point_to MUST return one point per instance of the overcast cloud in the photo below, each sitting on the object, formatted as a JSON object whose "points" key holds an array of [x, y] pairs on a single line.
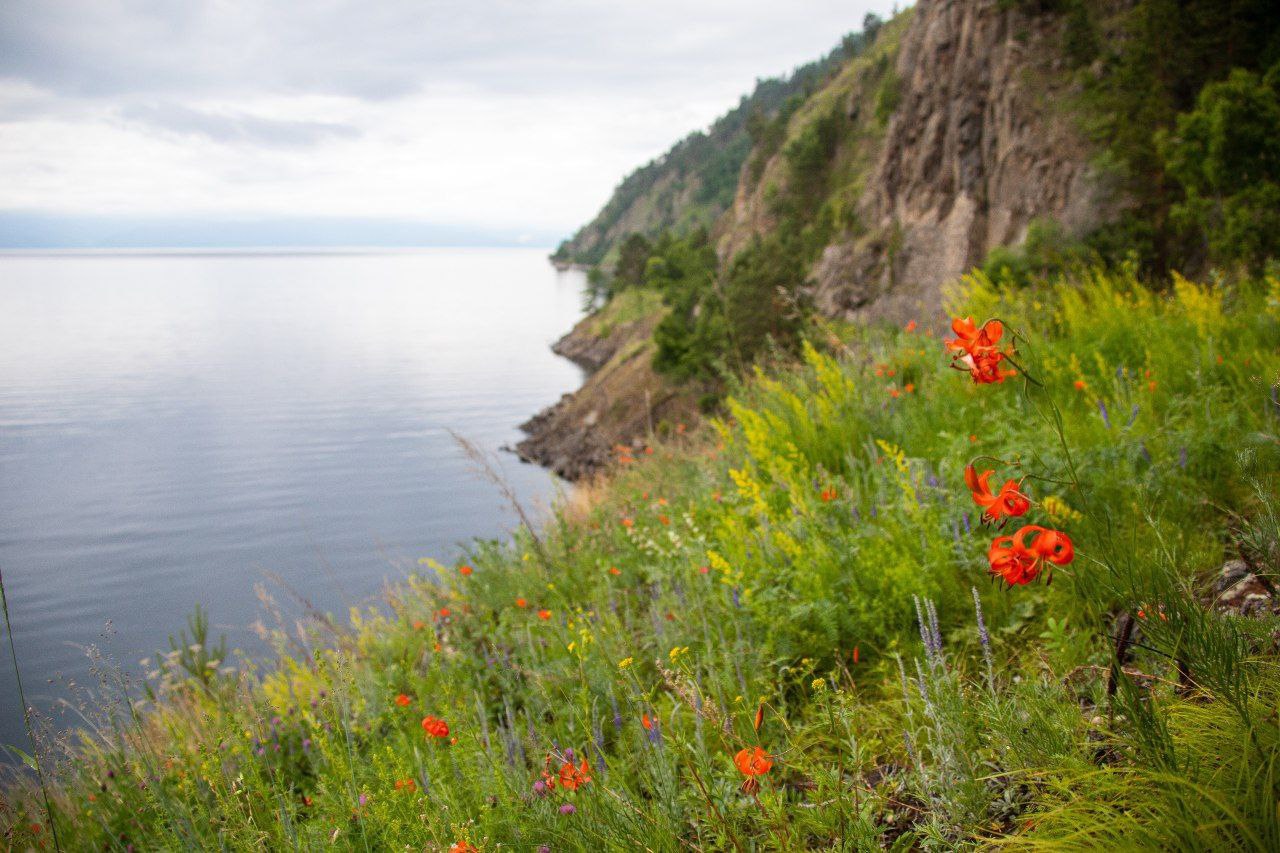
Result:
{"points": [[494, 114]]}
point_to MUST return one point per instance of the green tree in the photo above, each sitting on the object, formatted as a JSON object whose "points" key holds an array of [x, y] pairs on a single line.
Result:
{"points": [[633, 255], [1225, 156]]}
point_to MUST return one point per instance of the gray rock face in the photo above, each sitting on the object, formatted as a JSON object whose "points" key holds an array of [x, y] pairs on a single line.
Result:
{"points": [[974, 152]]}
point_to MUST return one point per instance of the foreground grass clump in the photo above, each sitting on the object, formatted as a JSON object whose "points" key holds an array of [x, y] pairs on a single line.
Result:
{"points": [[783, 634]]}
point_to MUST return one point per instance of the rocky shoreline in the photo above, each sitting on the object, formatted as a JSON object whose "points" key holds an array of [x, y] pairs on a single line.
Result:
{"points": [[622, 402]]}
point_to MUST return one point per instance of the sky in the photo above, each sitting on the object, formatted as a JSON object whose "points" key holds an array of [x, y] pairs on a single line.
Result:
{"points": [[345, 122]]}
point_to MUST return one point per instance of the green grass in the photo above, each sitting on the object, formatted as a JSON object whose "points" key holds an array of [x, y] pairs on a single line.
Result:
{"points": [[740, 586]]}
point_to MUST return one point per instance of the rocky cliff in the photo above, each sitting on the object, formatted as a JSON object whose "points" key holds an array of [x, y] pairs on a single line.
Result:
{"points": [[976, 146], [951, 138]]}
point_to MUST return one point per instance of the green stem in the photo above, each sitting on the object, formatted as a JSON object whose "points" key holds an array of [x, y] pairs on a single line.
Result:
{"points": [[26, 716]]}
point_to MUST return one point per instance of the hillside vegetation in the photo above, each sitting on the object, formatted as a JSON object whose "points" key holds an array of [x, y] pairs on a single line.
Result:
{"points": [[810, 577], [693, 183]]}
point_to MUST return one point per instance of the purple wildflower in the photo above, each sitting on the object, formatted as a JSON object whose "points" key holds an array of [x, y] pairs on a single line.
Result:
{"points": [[1133, 416], [568, 808], [983, 636], [933, 625], [922, 685], [540, 788], [1102, 407], [1182, 458]]}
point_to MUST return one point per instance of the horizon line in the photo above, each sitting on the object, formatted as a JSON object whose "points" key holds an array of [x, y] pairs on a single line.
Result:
{"points": [[282, 249]]}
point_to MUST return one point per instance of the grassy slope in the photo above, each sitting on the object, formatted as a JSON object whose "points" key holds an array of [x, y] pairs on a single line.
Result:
{"points": [[739, 586]]}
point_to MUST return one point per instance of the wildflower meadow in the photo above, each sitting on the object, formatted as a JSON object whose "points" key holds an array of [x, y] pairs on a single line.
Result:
{"points": [[920, 590]]}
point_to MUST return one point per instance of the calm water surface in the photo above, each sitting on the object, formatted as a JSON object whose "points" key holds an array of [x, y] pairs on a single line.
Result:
{"points": [[174, 428]]}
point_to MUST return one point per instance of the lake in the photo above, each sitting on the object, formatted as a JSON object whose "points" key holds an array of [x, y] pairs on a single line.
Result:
{"points": [[176, 428]]}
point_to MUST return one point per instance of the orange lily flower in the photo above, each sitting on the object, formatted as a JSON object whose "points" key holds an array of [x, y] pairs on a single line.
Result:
{"points": [[572, 778], [1016, 562], [464, 847], [973, 340], [752, 762], [1009, 501], [435, 727], [977, 350]]}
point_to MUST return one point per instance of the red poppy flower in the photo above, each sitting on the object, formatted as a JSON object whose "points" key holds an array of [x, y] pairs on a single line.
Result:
{"points": [[464, 847], [1007, 503], [646, 722], [614, 570], [435, 727], [444, 613], [911, 325], [402, 700], [521, 603], [405, 784], [828, 495], [1018, 562], [758, 720], [466, 570], [544, 614], [626, 522]]}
